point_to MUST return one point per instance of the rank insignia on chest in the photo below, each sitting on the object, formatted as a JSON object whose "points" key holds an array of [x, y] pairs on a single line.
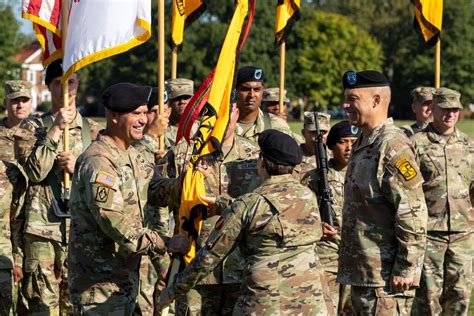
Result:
{"points": [[102, 194], [405, 168], [104, 178]]}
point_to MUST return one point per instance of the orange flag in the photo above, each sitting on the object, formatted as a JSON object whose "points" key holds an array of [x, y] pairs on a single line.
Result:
{"points": [[428, 20]]}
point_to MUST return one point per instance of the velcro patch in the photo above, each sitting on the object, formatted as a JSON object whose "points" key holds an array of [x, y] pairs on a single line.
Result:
{"points": [[22, 133], [406, 169], [104, 178], [102, 194]]}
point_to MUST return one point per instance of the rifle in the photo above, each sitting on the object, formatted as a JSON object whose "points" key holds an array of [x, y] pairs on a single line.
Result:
{"points": [[325, 200]]}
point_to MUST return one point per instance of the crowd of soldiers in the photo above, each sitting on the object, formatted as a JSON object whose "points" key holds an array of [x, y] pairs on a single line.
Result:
{"points": [[400, 242]]}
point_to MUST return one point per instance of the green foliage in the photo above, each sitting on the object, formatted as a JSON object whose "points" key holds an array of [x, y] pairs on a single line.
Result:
{"points": [[44, 106]]}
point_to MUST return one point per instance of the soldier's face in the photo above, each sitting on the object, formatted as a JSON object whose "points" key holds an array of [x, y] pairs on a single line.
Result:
{"points": [[422, 111], [445, 119], [178, 104], [18, 108], [342, 150], [358, 104], [249, 96], [56, 89], [274, 108], [132, 125]]}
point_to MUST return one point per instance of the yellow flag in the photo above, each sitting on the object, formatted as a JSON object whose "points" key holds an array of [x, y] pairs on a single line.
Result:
{"points": [[208, 138], [287, 13], [428, 19], [184, 13]]}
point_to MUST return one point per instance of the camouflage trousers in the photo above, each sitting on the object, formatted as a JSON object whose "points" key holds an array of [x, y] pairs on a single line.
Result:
{"points": [[376, 301], [446, 280], [209, 300], [6, 292], [148, 279], [113, 307], [44, 284], [336, 296]]}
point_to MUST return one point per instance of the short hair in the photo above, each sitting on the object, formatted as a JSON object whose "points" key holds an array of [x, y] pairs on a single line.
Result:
{"points": [[275, 169]]}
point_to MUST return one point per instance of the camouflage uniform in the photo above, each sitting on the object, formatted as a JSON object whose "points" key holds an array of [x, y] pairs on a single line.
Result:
{"points": [[412, 129], [45, 234], [107, 236], [276, 229], [327, 249], [447, 166], [230, 178], [264, 121], [12, 189], [7, 141], [384, 221], [170, 136], [420, 95]]}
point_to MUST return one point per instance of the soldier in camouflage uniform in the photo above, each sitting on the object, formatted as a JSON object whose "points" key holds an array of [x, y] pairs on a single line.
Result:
{"points": [[309, 133], [422, 107], [230, 177], [180, 91], [446, 157], [384, 216], [17, 102], [39, 149], [276, 229], [12, 189], [339, 141], [249, 93], [109, 193]]}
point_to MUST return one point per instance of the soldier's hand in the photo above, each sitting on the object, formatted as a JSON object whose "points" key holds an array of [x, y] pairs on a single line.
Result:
{"points": [[65, 116], [203, 167], [210, 200], [17, 274], [165, 299], [66, 161], [179, 244], [400, 284], [159, 125], [328, 230]]}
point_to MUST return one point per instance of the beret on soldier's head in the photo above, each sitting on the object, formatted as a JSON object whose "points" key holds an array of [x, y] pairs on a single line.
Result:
{"points": [[339, 130], [279, 148], [125, 97], [154, 97], [250, 74], [54, 70], [364, 79], [447, 98]]}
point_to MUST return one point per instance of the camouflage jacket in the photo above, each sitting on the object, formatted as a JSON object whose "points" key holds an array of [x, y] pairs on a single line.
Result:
{"points": [[262, 124], [384, 213], [276, 229], [230, 178], [36, 153], [447, 167], [307, 163], [412, 129], [327, 248], [7, 141], [12, 190], [107, 235], [170, 136]]}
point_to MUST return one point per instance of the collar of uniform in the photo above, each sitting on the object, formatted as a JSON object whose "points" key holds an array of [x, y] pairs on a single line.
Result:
{"points": [[436, 138], [369, 140], [109, 142], [76, 123], [259, 123], [279, 179]]}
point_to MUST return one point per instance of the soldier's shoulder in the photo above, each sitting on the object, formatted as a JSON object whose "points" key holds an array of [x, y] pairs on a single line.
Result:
{"points": [[249, 147], [277, 122], [93, 124]]}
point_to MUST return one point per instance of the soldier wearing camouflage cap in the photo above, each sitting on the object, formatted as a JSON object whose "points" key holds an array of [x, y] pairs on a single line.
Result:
{"points": [[249, 93], [421, 106], [180, 91], [271, 102], [17, 102], [309, 134], [383, 234], [446, 158]]}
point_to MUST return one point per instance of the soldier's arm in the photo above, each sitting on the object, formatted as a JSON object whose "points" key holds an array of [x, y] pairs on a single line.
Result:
{"points": [[35, 150], [222, 240], [403, 187], [147, 147], [106, 203]]}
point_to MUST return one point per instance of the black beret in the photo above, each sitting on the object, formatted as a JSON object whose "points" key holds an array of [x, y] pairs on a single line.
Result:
{"points": [[154, 97], [249, 74], [279, 148], [339, 130], [364, 79], [125, 97], [54, 70]]}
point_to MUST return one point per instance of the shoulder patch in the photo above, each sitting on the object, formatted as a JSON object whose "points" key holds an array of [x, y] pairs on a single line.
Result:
{"points": [[103, 178], [22, 133], [405, 168], [102, 194]]}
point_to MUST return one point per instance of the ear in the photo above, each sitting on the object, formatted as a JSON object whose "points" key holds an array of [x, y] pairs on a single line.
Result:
{"points": [[413, 107], [115, 117], [376, 100]]}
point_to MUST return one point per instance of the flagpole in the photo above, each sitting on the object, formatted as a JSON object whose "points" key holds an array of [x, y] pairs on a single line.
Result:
{"points": [[64, 27], [282, 77], [438, 64], [161, 63], [174, 62]]}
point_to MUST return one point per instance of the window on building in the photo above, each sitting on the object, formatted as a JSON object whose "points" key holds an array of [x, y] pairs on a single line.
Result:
{"points": [[31, 76]]}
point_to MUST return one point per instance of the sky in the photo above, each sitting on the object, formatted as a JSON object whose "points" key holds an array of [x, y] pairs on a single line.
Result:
{"points": [[26, 27]]}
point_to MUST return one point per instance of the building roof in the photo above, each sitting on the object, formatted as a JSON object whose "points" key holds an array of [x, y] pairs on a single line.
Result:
{"points": [[30, 53]]}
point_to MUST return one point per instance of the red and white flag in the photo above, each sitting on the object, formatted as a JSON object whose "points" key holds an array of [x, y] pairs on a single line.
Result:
{"points": [[46, 18]]}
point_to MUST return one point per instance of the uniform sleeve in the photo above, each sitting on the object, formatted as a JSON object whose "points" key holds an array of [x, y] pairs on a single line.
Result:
{"points": [[222, 240], [35, 151], [147, 147], [103, 196], [402, 186]]}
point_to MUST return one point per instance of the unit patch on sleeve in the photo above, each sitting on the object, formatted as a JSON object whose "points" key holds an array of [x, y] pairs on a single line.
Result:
{"points": [[406, 169]]}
